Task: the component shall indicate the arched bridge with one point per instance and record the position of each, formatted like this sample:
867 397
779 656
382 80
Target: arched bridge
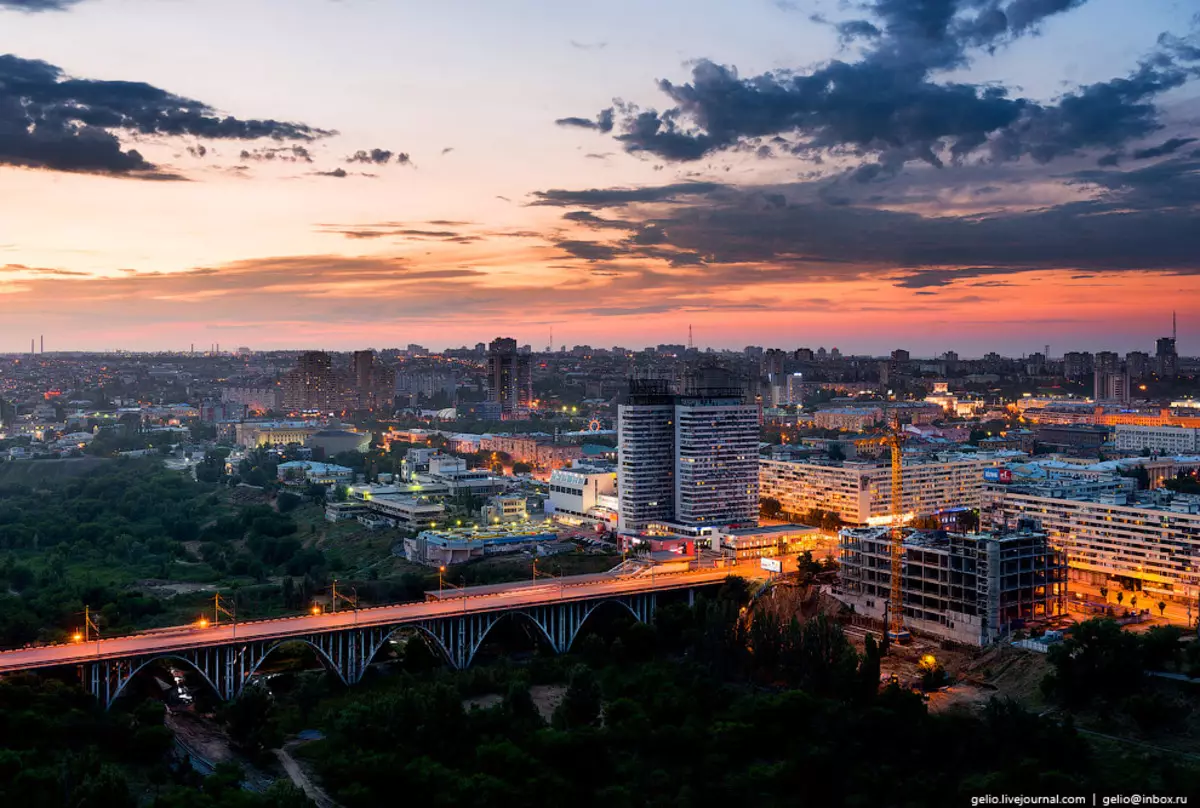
229 655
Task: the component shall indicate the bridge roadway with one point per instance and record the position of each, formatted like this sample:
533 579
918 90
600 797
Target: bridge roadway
472 601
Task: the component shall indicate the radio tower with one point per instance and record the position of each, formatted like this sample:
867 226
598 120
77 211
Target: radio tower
691 344
550 345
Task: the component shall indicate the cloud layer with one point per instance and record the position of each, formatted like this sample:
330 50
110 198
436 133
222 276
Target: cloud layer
890 107
51 121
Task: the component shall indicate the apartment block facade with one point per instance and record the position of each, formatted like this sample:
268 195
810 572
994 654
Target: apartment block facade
861 491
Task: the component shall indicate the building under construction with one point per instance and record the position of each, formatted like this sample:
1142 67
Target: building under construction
969 588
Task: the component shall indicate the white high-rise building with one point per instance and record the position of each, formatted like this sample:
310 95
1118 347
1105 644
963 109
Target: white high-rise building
716 461
686 459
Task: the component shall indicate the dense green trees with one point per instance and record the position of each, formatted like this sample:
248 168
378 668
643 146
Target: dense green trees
70 541
703 720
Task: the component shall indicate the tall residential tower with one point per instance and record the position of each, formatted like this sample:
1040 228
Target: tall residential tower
688 459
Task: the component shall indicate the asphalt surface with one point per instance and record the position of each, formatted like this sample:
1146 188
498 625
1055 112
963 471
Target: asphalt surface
469 601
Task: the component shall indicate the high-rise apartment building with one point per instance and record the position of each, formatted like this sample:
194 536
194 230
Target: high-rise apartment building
1167 359
374 382
312 384
1110 382
688 459
510 377
1138 364
1077 364
716 459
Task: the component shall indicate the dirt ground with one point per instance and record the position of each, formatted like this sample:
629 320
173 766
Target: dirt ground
545 697
204 738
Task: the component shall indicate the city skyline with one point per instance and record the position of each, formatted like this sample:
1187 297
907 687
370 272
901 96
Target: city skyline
966 176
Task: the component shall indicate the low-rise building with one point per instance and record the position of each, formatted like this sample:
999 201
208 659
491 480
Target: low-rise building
540 453
583 496
1157 439
504 508
407 511
438 548
967 588
769 540
303 472
848 419
274 433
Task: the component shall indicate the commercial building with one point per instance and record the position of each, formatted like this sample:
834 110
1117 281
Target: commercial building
1068 437
510 377
541 453
770 540
583 496
967 588
335 441
302 472
444 547
452 473
1157 439
407 511
861 491
1147 540
504 508
274 433
689 459
848 419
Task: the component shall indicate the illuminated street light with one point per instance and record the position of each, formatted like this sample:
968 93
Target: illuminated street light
202 622
77 637
316 609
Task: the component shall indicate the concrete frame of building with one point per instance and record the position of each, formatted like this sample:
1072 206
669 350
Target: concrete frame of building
967 588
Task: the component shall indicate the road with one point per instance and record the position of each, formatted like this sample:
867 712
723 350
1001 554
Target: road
469 601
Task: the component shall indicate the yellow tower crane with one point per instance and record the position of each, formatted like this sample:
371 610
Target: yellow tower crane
896 630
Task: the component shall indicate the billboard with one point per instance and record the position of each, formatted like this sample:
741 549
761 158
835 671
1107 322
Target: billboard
772 564
997 475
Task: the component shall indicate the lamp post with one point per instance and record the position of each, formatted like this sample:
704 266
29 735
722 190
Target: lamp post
441 575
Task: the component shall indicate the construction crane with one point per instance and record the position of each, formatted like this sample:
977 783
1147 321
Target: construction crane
896 631
894 440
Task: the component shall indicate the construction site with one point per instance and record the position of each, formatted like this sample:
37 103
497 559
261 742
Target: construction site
967 588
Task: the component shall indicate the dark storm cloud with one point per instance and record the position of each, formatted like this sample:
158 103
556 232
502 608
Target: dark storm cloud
1144 219
38 5
337 173
50 121
602 123
887 107
616 197
1167 147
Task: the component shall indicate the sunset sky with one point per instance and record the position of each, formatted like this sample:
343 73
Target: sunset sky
937 175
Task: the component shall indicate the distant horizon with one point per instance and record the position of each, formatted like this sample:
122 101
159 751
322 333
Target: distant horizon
702 349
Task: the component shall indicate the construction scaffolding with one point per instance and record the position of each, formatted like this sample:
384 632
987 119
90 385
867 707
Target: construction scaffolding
966 588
